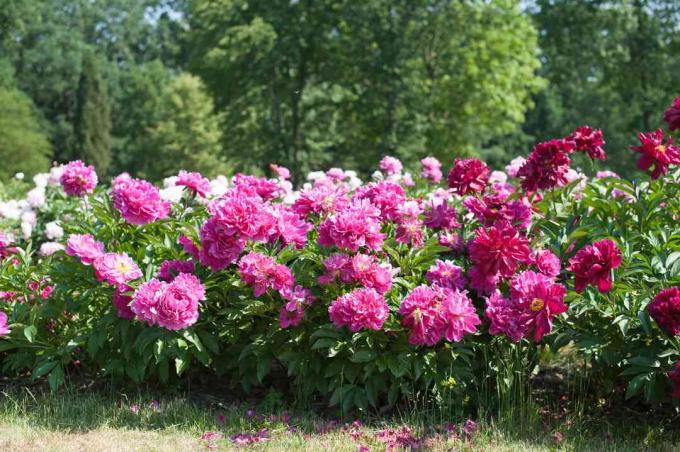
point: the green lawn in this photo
(95, 420)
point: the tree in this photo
(24, 146)
(187, 134)
(340, 82)
(92, 123)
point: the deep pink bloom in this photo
(289, 228)
(420, 314)
(588, 140)
(195, 182)
(539, 299)
(499, 250)
(46, 292)
(356, 226)
(320, 199)
(188, 246)
(506, 317)
(359, 309)
(78, 179)
(139, 202)
(656, 153)
(674, 376)
(170, 269)
(4, 327)
(468, 176)
(6, 241)
(458, 315)
(446, 274)
(386, 195)
(432, 169)
(518, 212)
(177, 308)
(265, 189)
(122, 303)
(370, 273)
(672, 115)
(338, 268)
(220, 246)
(410, 232)
(547, 165)
(248, 216)
(291, 314)
(547, 263)
(261, 272)
(390, 165)
(665, 310)
(146, 299)
(441, 216)
(84, 247)
(116, 268)
(486, 209)
(593, 264)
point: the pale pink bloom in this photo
(195, 182)
(368, 271)
(281, 171)
(116, 268)
(4, 327)
(49, 248)
(513, 167)
(432, 169)
(85, 247)
(390, 165)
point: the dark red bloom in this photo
(672, 115)
(593, 263)
(589, 140)
(547, 165)
(499, 250)
(665, 310)
(468, 176)
(674, 375)
(656, 153)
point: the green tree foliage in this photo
(313, 82)
(610, 64)
(92, 124)
(187, 134)
(24, 147)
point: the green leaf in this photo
(44, 368)
(363, 356)
(56, 378)
(30, 332)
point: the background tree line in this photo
(151, 86)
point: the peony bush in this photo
(361, 294)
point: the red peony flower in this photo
(592, 264)
(468, 176)
(672, 115)
(589, 140)
(674, 375)
(665, 310)
(547, 165)
(655, 153)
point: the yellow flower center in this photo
(661, 148)
(123, 266)
(536, 304)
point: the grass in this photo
(101, 420)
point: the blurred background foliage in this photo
(152, 86)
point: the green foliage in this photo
(93, 119)
(24, 147)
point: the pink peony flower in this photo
(506, 317)
(410, 232)
(513, 167)
(177, 308)
(6, 242)
(220, 246)
(170, 269)
(539, 299)
(386, 195)
(49, 248)
(593, 264)
(139, 202)
(280, 171)
(498, 250)
(122, 303)
(588, 140)
(441, 216)
(116, 269)
(319, 200)
(195, 182)
(354, 227)
(146, 299)
(420, 314)
(458, 315)
(656, 153)
(432, 169)
(547, 165)
(248, 216)
(262, 273)
(547, 263)
(359, 309)
(390, 165)
(446, 274)
(188, 246)
(289, 228)
(672, 115)
(665, 310)
(337, 268)
(265, 189)
(4, 327)
(468, 176)
(370, 274)
(78, 179)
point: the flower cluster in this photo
(262, 273)
(361, 268)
